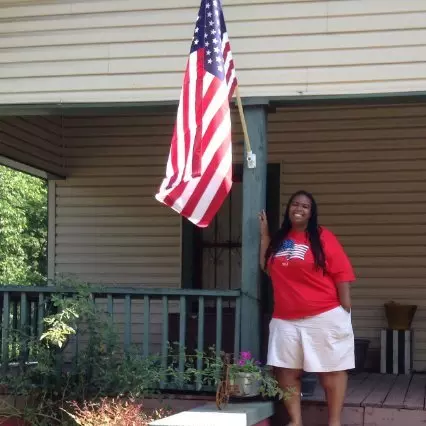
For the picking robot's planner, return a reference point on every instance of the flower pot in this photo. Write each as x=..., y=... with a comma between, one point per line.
x=399, y=316
x=309, y=383
x=361, y=351
x=245, y=385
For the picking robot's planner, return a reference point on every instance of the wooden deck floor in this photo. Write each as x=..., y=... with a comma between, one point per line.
x=381, y=390
x=374, y=399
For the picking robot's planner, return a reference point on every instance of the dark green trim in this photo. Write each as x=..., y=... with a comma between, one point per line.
x=188, y=254
x=119, y=292
x=254, y=200
x=109, y=108
x=162, y=106
x=349, y=99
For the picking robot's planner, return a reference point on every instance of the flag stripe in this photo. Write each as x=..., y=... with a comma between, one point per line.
x=205, y=179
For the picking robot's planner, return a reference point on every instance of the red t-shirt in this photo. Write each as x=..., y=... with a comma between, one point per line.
x=301, y=290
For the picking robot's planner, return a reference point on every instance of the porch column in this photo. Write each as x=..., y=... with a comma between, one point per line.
x=254, y=200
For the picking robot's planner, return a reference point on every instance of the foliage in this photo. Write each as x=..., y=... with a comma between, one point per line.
x=208, y=375
x=268, y=385
x=23, y=228
x=246, y=364
x=114, y=412
x=100, y=370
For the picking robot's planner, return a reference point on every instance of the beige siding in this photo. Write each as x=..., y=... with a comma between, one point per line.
x=34, y=141
x=130, y=50
x=367, y=168
x=109, y=227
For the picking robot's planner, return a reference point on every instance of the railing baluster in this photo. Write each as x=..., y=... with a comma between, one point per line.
x=219, y=313
x=40, y=314
x=5, y=332
x=34, y=312
x=110, y=306
x=182, y=333
x=165, y=336
x=237, y=327
x=14, y=335
x=110, y=311
x=76, y=345
x=146, y=320
x=128, y=322
x=24, y=327
x=200, y=340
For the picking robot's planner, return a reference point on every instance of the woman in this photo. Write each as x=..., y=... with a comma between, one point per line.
x=311, y=327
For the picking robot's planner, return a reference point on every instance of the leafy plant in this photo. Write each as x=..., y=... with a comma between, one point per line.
x=245, y=364
x=114, y=412
x=269, y=386
x=207, y=376
x=98, y=369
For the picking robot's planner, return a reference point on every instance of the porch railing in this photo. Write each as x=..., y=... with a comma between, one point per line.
x=194, y=319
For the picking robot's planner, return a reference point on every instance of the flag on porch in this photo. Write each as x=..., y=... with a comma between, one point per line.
x=199, y=168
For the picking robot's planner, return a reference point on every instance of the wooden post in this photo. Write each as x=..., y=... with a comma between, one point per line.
x=254, y=200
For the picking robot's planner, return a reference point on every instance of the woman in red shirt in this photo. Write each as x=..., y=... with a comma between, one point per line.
x=311, y=327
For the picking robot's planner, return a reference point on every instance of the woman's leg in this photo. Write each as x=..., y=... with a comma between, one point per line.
x=334, y=384
x=289, y=381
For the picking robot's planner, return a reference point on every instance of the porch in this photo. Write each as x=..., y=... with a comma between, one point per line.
x=106, y=227
x=374, y=399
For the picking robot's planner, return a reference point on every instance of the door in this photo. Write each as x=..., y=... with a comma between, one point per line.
x=212, y=256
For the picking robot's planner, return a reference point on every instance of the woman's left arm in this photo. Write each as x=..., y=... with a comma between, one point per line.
x=344, y=292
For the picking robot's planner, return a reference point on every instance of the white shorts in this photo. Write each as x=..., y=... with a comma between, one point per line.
x=322, y=343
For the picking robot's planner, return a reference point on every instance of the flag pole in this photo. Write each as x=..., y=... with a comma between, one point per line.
x=251, y=158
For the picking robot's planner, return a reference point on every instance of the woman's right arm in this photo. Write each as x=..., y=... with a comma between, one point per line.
x=265, y=238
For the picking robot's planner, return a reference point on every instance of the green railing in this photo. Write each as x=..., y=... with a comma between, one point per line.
x=196, y=319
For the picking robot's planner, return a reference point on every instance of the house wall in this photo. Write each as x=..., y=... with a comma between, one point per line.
x=135, y=50
x=34, y=141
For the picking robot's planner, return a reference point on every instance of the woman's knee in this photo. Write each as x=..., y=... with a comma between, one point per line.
x=332, y=378
x=287, y=376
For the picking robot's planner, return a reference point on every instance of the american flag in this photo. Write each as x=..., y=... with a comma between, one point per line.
x=291, y=250
x=199, y=168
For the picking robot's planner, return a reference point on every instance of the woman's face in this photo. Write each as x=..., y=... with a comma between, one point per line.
x=300, y=211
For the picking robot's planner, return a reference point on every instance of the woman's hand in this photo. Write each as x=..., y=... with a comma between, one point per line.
x=344, y=292
x=264, y=228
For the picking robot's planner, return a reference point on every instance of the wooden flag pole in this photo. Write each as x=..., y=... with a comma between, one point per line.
x=251, y=158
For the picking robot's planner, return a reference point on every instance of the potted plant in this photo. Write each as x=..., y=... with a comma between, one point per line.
x=248, y=378
x=245, y=376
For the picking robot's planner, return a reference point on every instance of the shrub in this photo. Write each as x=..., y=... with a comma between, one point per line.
x=114, y=412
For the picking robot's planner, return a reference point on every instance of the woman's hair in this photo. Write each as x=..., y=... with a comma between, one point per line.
x=313, y=232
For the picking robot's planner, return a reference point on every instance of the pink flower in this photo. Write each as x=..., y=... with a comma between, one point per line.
x=246, y=355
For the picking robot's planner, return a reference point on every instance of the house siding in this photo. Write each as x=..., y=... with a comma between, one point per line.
x=108, y=51
x=34, y=141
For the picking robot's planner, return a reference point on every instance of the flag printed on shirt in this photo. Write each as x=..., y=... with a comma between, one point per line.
x=199, y=168
x=291, y=250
